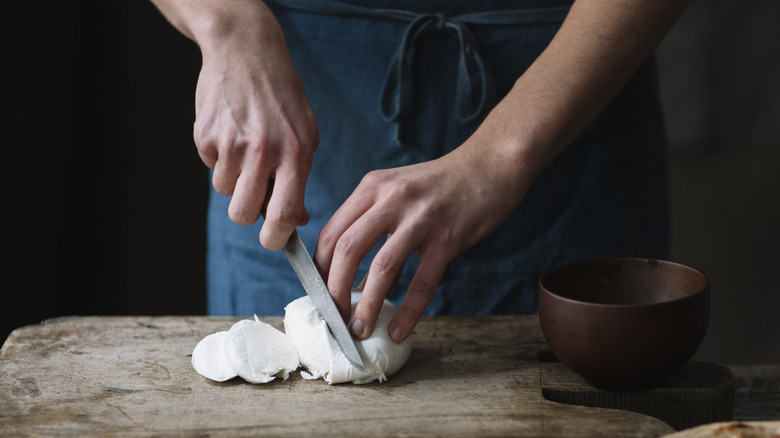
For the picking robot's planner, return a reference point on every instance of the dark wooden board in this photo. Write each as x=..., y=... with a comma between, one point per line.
x=697, y=394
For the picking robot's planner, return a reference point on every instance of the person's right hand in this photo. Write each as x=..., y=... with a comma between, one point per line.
x=253, y=122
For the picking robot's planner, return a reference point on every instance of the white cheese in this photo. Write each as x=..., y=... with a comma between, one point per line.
x=320, y=354
x=209, y=358
x=259, y=353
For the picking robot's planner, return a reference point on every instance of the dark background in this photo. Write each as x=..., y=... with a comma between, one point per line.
x=105, y=193
x=105, y=196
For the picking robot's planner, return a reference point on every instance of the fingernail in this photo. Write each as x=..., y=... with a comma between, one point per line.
x=395, y=334
x=357, y=328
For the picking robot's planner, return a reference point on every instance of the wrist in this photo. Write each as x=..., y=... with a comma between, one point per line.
x=510, y=147
x=236, y=25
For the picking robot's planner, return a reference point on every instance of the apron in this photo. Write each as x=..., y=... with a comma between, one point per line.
x=397, y=82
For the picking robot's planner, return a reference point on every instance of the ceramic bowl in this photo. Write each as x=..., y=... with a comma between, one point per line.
x=624, y=323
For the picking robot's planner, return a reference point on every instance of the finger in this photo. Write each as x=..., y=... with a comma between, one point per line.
x=421, y=291
x=208, y=156
x=350, y=211
x=250, y=192
x=385, y=270
x=226, y=162
x=207, y=147
x=226, y=174
x=285, y=209
x=305, y=218
x=350, y=249
x=344, y=302
x=362, y=284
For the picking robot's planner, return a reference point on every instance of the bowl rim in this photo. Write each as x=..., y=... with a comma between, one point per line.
x=702, y=291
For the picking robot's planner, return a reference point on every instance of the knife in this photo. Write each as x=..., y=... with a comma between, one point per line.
x=315, y=287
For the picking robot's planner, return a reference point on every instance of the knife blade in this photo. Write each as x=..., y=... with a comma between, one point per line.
x=315, y=287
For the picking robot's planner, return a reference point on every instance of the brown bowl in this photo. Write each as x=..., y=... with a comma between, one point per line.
x=624, y=323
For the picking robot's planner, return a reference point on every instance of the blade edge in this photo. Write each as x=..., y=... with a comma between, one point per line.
x=315, y=288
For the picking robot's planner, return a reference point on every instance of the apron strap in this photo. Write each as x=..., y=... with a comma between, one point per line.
x=475, y=91
x=474, y=80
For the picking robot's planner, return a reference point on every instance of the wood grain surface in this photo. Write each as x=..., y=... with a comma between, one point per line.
x=132, y=377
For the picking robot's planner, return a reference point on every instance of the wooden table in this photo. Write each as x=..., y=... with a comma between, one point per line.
x=132, y=377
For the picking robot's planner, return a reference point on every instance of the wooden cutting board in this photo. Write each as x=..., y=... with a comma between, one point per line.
x=132, y=377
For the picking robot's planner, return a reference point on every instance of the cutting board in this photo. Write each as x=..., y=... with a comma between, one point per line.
x=132, y=377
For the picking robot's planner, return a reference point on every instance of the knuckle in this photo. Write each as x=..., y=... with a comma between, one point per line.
x=408, y=313
x=402, y=189
x=202, y=135
x=223, y=190
x=286, y=214
x=207, y=135
x=327, y=237
x=271, y=242
x=345, y=245
x=301, y=130
x=286, y=217
x=229, y=151
x=384, y=265
x=221, y=185
x=310, y=130
x=256, y=141
x=297, y=155
x=257, y=147
x=397, y=191
x=446, y=240
x=241, y=215
x=225, y=147
x=370, y=304
x=384, y=184
x=373, y=180
x=303, y=139
x=313, y=138
x=423, y=288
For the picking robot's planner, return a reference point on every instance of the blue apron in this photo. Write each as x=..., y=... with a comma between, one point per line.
x=396, y=82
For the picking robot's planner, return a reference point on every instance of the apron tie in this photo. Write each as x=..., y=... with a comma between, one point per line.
x=474, y=86
x=474, y=80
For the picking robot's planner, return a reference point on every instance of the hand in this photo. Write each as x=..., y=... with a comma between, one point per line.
x=442, y=207
x=253, y=124
x=437, y=208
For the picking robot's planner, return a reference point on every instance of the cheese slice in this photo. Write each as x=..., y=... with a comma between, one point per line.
x=210, y=360
x=258, y=352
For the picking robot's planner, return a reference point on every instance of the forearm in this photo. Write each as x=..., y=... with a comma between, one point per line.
x=253, y=122
x=599, y=46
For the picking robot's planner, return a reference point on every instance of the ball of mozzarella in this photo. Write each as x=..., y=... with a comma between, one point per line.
x=321, y=355
x=259, y=353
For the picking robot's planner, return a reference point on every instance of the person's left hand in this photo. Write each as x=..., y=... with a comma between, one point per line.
x=441, y=207
x=437, y=208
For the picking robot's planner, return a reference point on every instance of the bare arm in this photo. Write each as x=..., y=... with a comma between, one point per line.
x=441, y=207
x=253, y=121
